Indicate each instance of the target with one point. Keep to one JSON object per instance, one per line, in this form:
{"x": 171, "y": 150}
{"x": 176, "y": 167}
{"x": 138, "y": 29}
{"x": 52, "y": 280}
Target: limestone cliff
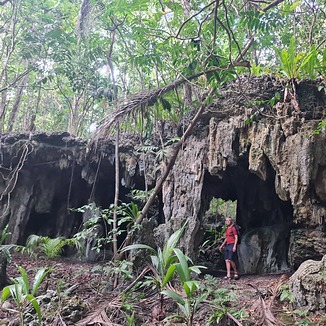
{"x": 249, "y": 146}
{"x": 269, "y": 159}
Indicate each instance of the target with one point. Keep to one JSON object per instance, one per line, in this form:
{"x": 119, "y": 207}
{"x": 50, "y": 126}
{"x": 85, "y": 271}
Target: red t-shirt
{"x": 230, "y": 234}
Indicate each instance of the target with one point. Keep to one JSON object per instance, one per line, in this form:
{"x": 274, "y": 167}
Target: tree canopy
{"x": 68, "y": 64}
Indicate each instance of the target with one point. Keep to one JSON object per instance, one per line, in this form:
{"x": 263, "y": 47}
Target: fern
{"x": 53, "y": 248}
{"x": 50, "y": 247}
{"x": 300, "y": 65}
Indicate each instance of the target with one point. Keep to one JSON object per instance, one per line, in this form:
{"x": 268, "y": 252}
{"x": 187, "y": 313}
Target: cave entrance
{"x": 253, "y": 203}
{"x": 213, "y": 222}
{"x": 222, "y": 207}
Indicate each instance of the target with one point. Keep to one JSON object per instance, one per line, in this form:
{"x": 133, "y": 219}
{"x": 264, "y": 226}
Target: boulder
{"x": 308, "y": 285}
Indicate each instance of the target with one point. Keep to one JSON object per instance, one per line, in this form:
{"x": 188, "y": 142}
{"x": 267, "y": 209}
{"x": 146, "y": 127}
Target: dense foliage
{"x": 66, "y": 63}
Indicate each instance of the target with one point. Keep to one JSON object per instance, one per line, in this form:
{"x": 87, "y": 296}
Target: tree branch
{"x": 137, "y": 100}
{"x": 191, "y": 17}
{"x": 271, "y": 5}
{"x": 26, "y": 72}
{"x": 2, "y": 3}
{"x": 168, "y": 168}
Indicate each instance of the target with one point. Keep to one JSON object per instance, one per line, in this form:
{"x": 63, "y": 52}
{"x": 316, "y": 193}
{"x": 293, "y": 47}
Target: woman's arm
{"x": 222, "y": 245}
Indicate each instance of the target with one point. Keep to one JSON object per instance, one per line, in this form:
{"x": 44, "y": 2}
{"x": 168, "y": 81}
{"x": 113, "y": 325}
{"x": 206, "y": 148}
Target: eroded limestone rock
{"x": 285, "y": 151}
{"x": 263, "y": 250}
{"x": 308, "y": 285}
{"x": 181, "y": 195}
{"x": 269, "y": 160}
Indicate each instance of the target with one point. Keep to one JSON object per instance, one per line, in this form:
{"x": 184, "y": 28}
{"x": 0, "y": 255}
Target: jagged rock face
{"x": 288, "y": 169}
{"x": 42, "y": 179}
{"x": 181, "y": 195}
{"x": 264, "y": 250}
{"x": 308, "y": 285}
{"x": 244, "y": 148}
{"x": 273, "y": 167}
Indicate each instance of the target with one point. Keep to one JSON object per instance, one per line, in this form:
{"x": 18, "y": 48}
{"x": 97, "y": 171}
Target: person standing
{"x": 230, "y": 243}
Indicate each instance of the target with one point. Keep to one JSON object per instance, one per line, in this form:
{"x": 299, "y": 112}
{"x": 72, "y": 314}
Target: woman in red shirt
{"x": 230, "y": 243}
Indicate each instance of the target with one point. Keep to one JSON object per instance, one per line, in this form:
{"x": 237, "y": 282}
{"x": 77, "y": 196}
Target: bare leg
{"x": 234, "y": 266}
{"x": 228, "y": 267}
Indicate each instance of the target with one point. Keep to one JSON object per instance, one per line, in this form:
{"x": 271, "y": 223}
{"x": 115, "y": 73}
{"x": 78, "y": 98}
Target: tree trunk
{"x": 3, "y": 108}
{"x": 83, "y": 19}
{"x": 3, "y": 270}
{"x": 117, "y": 174}
{"x": 168, "y": 168}
{"x": 15, "y": 108}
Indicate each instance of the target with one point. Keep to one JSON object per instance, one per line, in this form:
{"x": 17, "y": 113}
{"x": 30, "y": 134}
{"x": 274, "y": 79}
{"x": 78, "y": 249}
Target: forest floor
{"x": 80, "y": 294}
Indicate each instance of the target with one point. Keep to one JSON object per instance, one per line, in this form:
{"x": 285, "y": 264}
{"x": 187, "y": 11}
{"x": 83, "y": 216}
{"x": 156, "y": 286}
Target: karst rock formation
{"x": 249, "y": 146}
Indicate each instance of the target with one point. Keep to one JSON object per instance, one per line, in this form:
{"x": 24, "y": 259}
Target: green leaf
{"x": 169, "y": 275}
{"x": 155, "y": 261}
{"x": 53, "y": 247}
{"x": 292, "y": 53}
{"x": 308, "y": 62}
{"x": 6, "y": 293}
{"x": 24, "y": 277}
{"x": 4, "y": 234}
{"x": 182, "y": 267}
{"x": 185, "y": 308}
{"x": 285, "y": 63}
{"x": 39, "y": 277}
{"x": 172, "y": 242}
{"x": 174, "y": 296}
{"x": 192, "y": 286}
{"x": 187, "y": 290}
{"x": 283, "y": 296}
{"x": 16, "y": 292}
{"x": 197, "y": 269}
{"x": 171, "y": 260}
{"x": 34, "y": 241}
{"x": 161, "y": 263}
{"x": 137, "y": 246}
{"x": 199, "y": 300}
{"x": 35, "y": 304}
{"x": 294, "y": 5}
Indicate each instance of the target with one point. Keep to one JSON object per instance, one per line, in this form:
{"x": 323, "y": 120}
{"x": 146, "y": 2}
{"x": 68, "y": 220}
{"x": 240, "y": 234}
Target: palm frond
{"x": 267, "y": 318}
{"x": 33, "y": 241}
{"x": 128, "y": 105}
{"x": 100, "y": 317}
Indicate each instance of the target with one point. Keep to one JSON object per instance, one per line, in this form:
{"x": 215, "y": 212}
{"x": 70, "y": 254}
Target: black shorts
{"x": 228, "y": 253}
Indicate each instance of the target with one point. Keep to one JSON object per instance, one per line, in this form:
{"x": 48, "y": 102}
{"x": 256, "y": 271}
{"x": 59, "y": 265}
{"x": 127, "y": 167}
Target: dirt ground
{"x": 246, "y": 301}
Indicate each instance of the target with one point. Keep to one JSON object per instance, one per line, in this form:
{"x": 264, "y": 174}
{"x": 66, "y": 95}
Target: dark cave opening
{"x": 257, "y": 202}
{"x": 56, "y": 194}
{"x": 265, "y": 219}
{"x": 59, "y": 192}
{"x": 42, "y": 224}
